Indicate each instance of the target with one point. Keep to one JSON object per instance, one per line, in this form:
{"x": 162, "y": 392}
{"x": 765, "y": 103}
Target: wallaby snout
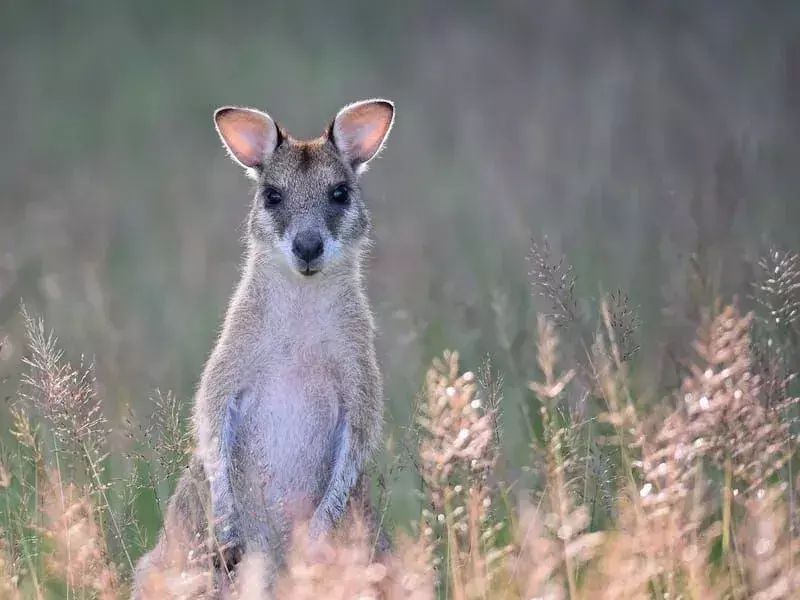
{"x": 308, "y": 248}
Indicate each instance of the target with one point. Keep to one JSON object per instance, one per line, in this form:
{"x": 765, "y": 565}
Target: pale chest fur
{"x": 304, "y": 366}
{"x": 306, "y": 334}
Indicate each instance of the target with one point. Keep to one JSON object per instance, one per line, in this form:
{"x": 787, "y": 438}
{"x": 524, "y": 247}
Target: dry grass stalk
{"x": 65, "y": 397}
{"x": 184, "y": 573}
{"x": 778, "y": 291}
{"x": 337, "y": 568}
{"x": 26, "y": 435}
{"x": 726, "y": 418}
{"x": 554, "y": 280}
{"x": 536, "y": 570}
{"x": 341, "y": 568}
{"x": 458, "y": 452}
{"x": 770, "y": 553}
{"x": 9, "y": 576}
{"x": 561, "y": 533}
{"x": 79, "y": 555}
{"x": 167, "y": 434}
{"x": 663, "y": 542}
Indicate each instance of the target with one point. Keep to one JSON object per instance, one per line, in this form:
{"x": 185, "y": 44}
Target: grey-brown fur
{"x": 289, "y": 406}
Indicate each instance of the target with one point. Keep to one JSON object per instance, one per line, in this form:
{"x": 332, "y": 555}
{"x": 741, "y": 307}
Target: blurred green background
{"x": 632, "y": 133}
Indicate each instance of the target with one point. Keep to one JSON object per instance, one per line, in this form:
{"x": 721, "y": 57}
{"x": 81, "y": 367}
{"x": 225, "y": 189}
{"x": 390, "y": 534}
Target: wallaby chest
{"x": 303, "y": 365}
{"x": 305, "y": 339}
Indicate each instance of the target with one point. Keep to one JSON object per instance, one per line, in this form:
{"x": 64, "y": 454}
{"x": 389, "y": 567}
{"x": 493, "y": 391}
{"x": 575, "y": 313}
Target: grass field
{"x": 690, "y": 495}
{"x": 655, "y": 144}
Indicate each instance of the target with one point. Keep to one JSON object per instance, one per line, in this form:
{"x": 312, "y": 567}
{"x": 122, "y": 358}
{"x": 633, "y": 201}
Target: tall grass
{"x": 693, "y": 496}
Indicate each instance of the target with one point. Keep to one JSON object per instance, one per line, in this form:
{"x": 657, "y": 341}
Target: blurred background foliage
{"x": 645, "y": 139}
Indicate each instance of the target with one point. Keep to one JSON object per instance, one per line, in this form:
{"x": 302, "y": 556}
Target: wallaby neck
{"x": 282, "y": 293}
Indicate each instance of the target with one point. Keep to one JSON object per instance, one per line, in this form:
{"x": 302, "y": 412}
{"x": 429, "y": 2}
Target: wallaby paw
{"x": 226, "y": 556}
{"x": 228, "y": 548}
{"x": 319, "y": 550}
{"x": 318, "y": 544}
{"x": 321, "y": 525}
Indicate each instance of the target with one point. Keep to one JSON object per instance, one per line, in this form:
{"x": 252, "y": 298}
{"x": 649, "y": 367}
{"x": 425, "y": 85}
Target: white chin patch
{"x": 333, "y": 251}
{"x": 285, "y": 248}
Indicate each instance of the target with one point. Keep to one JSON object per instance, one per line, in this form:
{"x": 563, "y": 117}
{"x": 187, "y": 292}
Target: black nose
{"x": 307, "y": 245}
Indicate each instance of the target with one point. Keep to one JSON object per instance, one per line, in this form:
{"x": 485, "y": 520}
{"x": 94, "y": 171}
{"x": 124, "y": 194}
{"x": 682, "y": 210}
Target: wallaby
{"x": 289, "y": 406}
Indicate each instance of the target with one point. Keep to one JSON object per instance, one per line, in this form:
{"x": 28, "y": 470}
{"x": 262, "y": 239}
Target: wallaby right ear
{"x": 249, "y": 135}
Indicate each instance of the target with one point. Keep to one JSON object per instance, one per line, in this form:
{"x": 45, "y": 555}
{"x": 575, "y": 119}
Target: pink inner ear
{"x": 371, "y": 137}
{"x": 249, "y": 135}
{"x": 361, "y": 130}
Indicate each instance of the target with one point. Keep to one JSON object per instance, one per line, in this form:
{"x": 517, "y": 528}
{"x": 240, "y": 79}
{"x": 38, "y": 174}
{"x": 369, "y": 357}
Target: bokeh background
{"x": 633, "y": 134}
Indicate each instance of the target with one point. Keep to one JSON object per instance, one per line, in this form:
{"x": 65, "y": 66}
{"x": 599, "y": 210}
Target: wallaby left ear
{"x": 360, "y": 130}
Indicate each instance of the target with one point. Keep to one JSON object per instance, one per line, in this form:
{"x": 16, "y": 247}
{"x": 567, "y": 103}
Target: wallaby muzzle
{"x": 307, "y": 248}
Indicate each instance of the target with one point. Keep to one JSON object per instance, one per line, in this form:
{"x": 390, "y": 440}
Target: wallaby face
{"x": 308, "y": 212}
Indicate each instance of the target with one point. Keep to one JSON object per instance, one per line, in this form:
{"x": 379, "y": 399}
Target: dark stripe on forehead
{"x": 305, "y": 159}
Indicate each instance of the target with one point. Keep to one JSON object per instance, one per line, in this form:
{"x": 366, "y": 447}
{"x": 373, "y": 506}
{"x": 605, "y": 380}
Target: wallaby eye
{"x": 340, "y": 194}
{"x": 272, "y": 197}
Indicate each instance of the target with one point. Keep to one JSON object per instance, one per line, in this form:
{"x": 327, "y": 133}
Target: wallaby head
{"x": 308, "y": 212}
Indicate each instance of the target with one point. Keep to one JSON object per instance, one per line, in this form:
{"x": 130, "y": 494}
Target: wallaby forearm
{"x": 356, "y": 438}
{"x": 216, "y": 416}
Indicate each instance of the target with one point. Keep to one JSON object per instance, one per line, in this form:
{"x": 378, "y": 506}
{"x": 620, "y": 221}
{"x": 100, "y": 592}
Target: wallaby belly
{"x": 283, "y": 451}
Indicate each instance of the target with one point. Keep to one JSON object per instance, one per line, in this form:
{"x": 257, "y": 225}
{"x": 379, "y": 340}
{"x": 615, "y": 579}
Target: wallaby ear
{"x": 249, "y": 135}
{"x": 360, "y": 129}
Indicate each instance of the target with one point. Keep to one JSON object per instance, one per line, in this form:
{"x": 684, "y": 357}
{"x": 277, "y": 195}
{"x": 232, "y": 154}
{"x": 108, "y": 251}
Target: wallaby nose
{"x": 307, "y": 245}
